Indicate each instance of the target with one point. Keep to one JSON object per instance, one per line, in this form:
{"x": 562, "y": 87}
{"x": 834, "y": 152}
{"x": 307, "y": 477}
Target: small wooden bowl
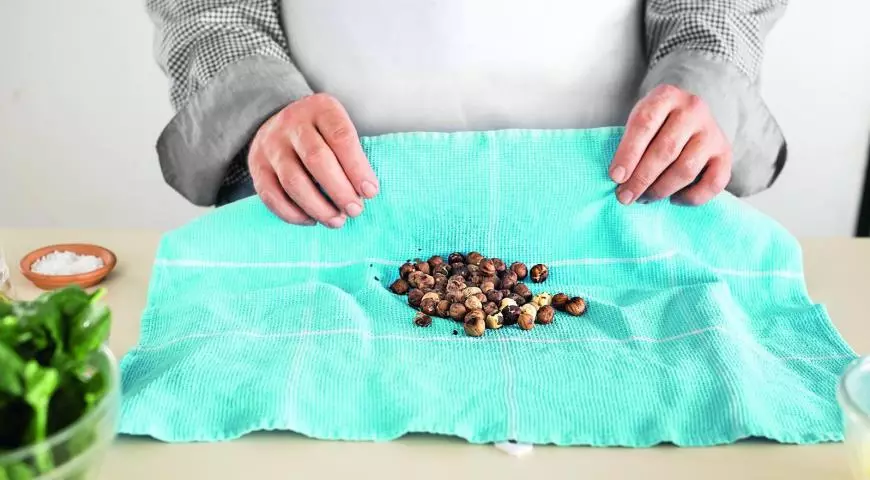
{"x": 84, "y": 280}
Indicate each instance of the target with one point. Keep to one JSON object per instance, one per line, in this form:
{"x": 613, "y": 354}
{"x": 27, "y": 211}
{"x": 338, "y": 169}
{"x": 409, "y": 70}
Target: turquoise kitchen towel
{"x": 700, "y": 330}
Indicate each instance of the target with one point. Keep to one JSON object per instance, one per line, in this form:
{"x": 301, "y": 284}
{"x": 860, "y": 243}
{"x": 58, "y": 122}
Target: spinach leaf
{"x": 11, "y": 369}
{"x": 89, "y": 329}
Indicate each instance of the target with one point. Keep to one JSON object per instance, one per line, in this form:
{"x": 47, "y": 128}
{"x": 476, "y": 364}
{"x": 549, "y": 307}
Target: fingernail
{"x": 336, "y": 221}
{"x": 309, "y": 222}
{"x": 625, "y": 197}
{"x": 618, "y": 174}
{"x": 369, "y": 189}
{"x": 353, "y": 209}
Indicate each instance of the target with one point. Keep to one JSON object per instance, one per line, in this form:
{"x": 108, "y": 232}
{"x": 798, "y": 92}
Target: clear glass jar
{"x": 76, "y": 452}
{"x": 5, "y": 279}
{"x": 853, "y": 395}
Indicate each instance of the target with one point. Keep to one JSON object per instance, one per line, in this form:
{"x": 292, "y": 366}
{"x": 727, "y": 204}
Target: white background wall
{"x": 82, "y": 103}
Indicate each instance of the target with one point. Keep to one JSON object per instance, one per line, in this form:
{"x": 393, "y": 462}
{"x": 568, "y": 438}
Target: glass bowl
{"x": 76, "y": 452}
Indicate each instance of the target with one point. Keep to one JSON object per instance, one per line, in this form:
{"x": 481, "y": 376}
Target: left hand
{"x": 671, "y": 139}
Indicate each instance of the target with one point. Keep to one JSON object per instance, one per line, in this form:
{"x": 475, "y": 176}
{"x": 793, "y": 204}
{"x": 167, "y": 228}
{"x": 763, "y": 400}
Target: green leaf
{"x": 89, "y": 330}
{"x": 17, "y": 471}
{"x": 11, "y": 370}
{"x": 40, "y": 384}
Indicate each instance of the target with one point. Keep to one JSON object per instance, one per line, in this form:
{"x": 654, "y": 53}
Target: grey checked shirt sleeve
{"x": 229, "y": 71}
{"x": 714, "y": 49}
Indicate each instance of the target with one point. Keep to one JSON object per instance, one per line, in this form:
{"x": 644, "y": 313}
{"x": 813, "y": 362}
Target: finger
{"x": 339, "y": 133}
{"x": 269, "y": 189}
{"x": 713, "y": 181}
{"x": 301, "y": 189}
{"x": 321, "y": 163}
{"x": 661, "y": 153}
{"x": 683, "y": 172}
{"x": 645, "y": 120}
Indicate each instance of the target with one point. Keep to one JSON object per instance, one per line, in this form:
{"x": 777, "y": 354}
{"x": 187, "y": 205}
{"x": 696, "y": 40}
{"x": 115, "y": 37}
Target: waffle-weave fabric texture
{"x": 699, "y": 331}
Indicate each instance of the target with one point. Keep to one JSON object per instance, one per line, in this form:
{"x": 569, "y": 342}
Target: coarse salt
{"x": 66, "y": 263}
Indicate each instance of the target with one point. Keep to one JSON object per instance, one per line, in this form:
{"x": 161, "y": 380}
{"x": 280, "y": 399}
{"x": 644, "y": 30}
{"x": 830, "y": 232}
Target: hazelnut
{"x": 406, "y": 270}
{"x": 455, "y": 296}
{"x": 480, "y": 297}
{"x": 506, "y": 303}
{"x": 460, "y": 269}
{"x": 443, "y": 309}
{"x": 542, "y": 299}
{"x": 456, "y": 278}
{"x": 496, "y": 282}
{"x": 526, "y": 321}
{"x": 429, "y": 306}
{"x": 523, "y": 290}
{"x": 509, "y": 280}
{"x": 559, "y": 301}
{"x": 494, "y": 320}
{"x": 414, "y": 278}
{"x": 487, "y": 267}
{"x": 470, "y": 291}
{"x": 472, "y": 303}
{"x": 499, "y": 264}
{"x": 517, "y": 298}
{"x": 422, "y": 320}
{"x": 489, "y": 308}
{"x": 494, "y": 296}
{"x": 475, "y": 279}
{"x": 576, "y": 306}
{"x": 474, "y": 258}
{"x": 487, "y": 286}
{"x": 539, "y": 273}
{"x": 422, "y": 266}
{"x": 457, "y": 311}
{"x": 400, "y": 287}
{"x": 455, "y": 257}
{"x": 529, "y": 308}
{"x": 545, "y": 315}
{"x": 433, "y": 295}
{"x": 504, "y": 293}
{"x": 475, "y": 323}
{"x": 426, "y": 282}
{"x": 519, "y": 269}
{"x": 435, "y": 261}
{"x": 415, "y": 296}
{"x": 443, "y": 269}
{"x": 441, "y": 284}
{"x": 472, "y": 269}
{"x": 510, "y": 314}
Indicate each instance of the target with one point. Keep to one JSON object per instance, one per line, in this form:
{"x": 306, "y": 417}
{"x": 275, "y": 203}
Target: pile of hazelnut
{"x": 483, "y": 293}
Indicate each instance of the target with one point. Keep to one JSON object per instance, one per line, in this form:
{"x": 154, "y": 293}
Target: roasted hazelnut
{"x": 542, "y": 299}
{"x": 400, "y": 287}
{"x": 426, "y": 282}
{"x": 494, "y": 320}
{"x": 415, "y": 296}
{"x": 457, "y": 311}
{"x": 441, "y": 284}
{"x": 489, "y": 308}
{"x": 526, "y": 321}
{"x": 523, "y": 290}
{"x": 406, "y": 270}
{"x": 475, "y": 279}
{"x": 559, "y": 301}
{"x": 545, "y": 315}
{"x": 434, "y": 261}
{"x": 510, "y": 314}
{"x": 429, "y": 306}
{"x": 455, "y": 257}
{"x": 519, "y": 269}
{"x": 505, "y": 293}
{"x": 539, "y": 273}
{"x": 530, "y": 308}
{"x": 576, "y": 306}
{"x": 481, "y": 297}
{"x": 443, "y": 309}
{"x": 517, "y": 298}
{"x": 487, "y": 286}
{"x": 414, "y": 278}
{"x": 460, "y": 269}
{"x": 499, "y": 265}
{"x": 509, "y": 280}
{"x": 422, "y": 266}
{"x": 472, "y": 269}
{"x": 455, "y": 278}
{"x": 494, "y": 296}
{"x": 443, "y": 269}
{"x": 472, "y": 303}
{"x": 506, "y": 302}
{"x": 487, "y": 267}
{"x": 474, "y": 258}
{"x": 422, "y": 320}
{"x": 470, "y": 291}
{"x": 475, "y": 323}
{"x": 433, "y": 295}
{"x": 455, "y": 296}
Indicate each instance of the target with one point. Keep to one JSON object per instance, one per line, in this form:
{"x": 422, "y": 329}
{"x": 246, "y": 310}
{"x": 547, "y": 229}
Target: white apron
{"x": 449, "y": 65}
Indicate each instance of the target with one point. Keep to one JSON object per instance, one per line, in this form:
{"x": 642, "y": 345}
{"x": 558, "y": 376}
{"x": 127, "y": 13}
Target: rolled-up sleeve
{"x": 229, "y": 71}
{"x": 715, "y": 49}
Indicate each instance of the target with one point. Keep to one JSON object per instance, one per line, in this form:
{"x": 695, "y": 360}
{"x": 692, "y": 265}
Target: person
{"x": 272, "y": 97}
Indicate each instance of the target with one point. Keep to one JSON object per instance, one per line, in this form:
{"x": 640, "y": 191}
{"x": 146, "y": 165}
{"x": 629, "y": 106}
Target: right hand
{"x": 311, "y": 141}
